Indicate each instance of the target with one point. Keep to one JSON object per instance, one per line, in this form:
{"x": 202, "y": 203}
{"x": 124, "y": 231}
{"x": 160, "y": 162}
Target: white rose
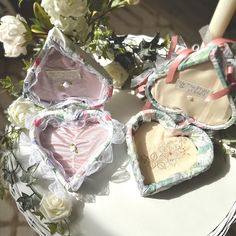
{"x": 118, "y": 73}
{"x": 133, "y": 2}
{"x": 75, "y": 27}
{"x": 66, "y": 8}
{"x": 13, "y": 35}
{"x": 21, "y": 111}
{"x": 54, "y": 208}
{"x": 68, "y": 15}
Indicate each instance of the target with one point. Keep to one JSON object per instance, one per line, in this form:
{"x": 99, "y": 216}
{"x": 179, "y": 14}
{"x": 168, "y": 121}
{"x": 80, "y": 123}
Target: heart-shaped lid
{"x": 197, "y": 85}
{"x": 64, "y": 73}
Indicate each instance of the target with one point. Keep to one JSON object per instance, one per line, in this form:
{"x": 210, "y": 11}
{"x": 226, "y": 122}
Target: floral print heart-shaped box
{"x": 73, "y": 133}
{"x": 164, "y": 154}
{"x": 66, "y": 140}
{"x": 189, "y": 87}
{"x": 199, "y": 85}
{"x": 64, "y": 73}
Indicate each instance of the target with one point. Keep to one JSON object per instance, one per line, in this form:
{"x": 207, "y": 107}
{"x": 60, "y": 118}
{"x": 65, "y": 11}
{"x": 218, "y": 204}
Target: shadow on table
{"x": 122, "y": 106}
{"x": 219, "y": 168}
{"x": 98, "y": 183}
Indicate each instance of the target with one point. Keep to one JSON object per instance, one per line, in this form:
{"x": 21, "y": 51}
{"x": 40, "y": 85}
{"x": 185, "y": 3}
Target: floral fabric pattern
{"x": 198, "y": 137}
{"x": 219, "y": 58}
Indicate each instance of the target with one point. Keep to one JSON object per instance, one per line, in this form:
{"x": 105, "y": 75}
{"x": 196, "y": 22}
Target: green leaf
{"x": 38, "y": 213}
{"x": 52, "y": 227}
{"x": 26, "y": 177}
{"x": 117, "y": 3}
{"x": 26, "y": 202}
{"x": 2, "y": 193}
{"x": 20, "y": 2}
{"x": 27, "y": 63}
{"x": 9, "y": 176}
{"x": 167, "y": 40}
{"x": 61, "y": 228}
{"x": 37, "y": 29}
{"x": 7, "y": 84}
{"x": 33, "y": 168}
{"x": 42, "y": 16}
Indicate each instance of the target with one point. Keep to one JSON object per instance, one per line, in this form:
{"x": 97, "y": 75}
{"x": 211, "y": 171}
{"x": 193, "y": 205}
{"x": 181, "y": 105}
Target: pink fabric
{"x": 227, "y": 90}
{"x": 73, "y": 146}
{"x": 173, "y": 44}
{"x": 174, "y": 65}
{"x": 86, "y": 85}
{"x": 221, "y": 41}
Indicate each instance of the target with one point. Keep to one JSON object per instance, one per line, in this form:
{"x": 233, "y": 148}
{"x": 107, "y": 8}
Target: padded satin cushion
{"x": 73, "y": 145}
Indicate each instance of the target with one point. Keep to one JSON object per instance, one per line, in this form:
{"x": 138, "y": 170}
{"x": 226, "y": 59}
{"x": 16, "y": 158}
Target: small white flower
{"x": 55, "y": 208}
{"x": 118, "y": 73}
{"x": 21, "y": 111}
{"x": 13, "y": 35}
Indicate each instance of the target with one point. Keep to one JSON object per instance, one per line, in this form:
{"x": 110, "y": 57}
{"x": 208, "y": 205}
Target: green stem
{"x": 68, "y": 227}
{"x": 18, "y": 163}
{"x": 37, "y": 194}
{"x": 105, "y": 13}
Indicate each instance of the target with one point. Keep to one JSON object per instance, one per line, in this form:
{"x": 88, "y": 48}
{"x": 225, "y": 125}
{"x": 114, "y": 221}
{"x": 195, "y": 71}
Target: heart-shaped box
{"x": 63, "y": 73}
{"x": 199, "y": 87}
{"x": 73, "y": 133}
{"x": 164, "y": 154}
{"x": 76, "y": 142}
{"x": 193, "y": 87}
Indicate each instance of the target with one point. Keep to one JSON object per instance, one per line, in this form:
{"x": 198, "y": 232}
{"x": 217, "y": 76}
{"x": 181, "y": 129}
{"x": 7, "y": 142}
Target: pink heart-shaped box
{"x": 76, "y": 143}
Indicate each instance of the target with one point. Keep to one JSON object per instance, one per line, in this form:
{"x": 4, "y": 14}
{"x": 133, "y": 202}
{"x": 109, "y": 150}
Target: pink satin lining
{"x": 87, "y": 85}
{"x": 73, "y": 146}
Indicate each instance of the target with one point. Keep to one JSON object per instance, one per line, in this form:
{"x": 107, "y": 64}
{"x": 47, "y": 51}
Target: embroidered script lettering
{"x": 63, "y": 75}
{"x": 192, "y": 88}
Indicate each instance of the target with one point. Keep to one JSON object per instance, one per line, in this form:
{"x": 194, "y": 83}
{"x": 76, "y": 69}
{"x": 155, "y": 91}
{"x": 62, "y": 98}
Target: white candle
{"x": 221, "y": 18}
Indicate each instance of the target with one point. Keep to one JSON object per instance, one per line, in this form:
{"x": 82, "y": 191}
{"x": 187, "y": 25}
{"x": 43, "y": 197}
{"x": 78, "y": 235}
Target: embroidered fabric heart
{"x": 164, "y": 154}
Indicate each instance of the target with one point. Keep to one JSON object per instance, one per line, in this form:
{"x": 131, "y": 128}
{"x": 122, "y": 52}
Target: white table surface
{"x": 194, "y": 207}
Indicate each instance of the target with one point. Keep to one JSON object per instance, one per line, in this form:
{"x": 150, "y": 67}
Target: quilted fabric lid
{"x": 200, "y": 90}
{"x": 63, "y": 73}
